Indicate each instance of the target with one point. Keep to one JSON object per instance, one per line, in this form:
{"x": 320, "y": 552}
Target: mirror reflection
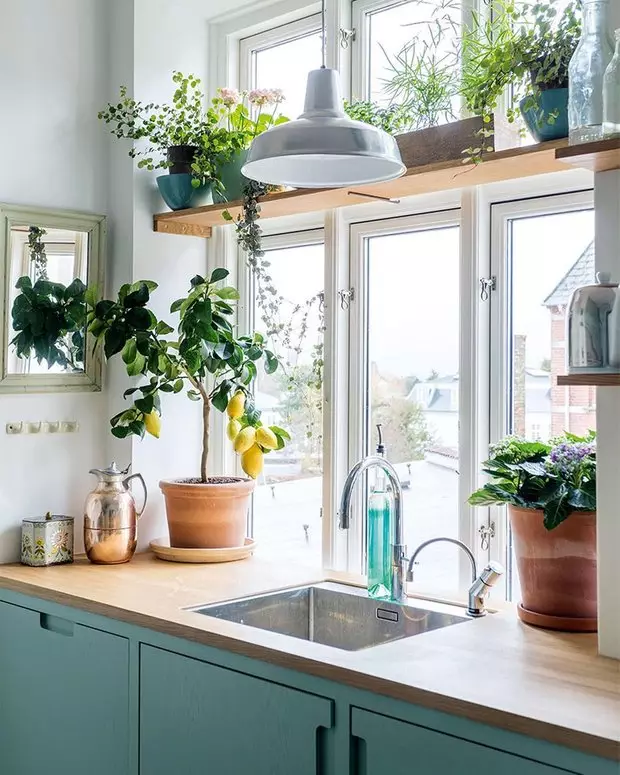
{"x": 48, "y": 273}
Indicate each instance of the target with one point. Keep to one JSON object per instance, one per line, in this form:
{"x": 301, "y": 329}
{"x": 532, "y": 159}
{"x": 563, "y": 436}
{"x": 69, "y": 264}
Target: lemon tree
{"x": 201, "y": 356}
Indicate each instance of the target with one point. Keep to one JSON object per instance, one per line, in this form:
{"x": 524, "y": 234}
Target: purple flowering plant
{"x": 558, "y": 477}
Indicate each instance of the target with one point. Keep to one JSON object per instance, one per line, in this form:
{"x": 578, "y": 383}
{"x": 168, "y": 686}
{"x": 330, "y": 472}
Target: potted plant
{"x": 181, "y": 137}
{"x": 240, "y": 117}
{"x": 205, "y": 359}
{"x": 550, "y": 490}
{"x": 528, "y": 47}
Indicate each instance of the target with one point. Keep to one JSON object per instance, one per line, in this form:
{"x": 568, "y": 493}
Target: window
{"x": 282, "y": 58}
{"x": 287, "y": 505}
{"x": 545, "y": 249}
{"x": 405, "y": 47}
{"x": 408, "y": 364}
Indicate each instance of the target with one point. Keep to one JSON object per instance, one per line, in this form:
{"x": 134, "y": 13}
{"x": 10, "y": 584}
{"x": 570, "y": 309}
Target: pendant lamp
{"x": 323, "y": 148}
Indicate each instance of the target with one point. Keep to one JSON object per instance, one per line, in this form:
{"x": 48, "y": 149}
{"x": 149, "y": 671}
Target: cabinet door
{"x": 64, "y": 696}
{"x": 384, "y": 745}
{"x": 200, "y": 719}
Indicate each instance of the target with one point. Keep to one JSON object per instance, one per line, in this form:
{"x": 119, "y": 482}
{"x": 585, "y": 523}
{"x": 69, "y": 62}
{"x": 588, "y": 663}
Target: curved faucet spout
{"x": 399, "y": 551}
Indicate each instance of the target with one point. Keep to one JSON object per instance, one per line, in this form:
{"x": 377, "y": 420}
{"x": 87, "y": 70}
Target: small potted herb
{"x": 526, "y": 47}
{"x": 550, "y": 490}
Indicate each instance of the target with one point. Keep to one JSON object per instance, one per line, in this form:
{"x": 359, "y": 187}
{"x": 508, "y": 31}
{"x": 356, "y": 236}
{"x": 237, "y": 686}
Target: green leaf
{"x": 139, "y": 318}
{"x": 194, "y": 395}
{"x": 197, "y": 280}
{"x": 227, "y": 216}
{"x": 76, "y": 288}
{"x": 137, "y": 298}
{"x": 121, "y": 431}
{"x": 271, "y": 362}
{"x": 136, "y": 366}
{"x": 176, "y": 305}
{"x": 129, "y": 351}
{"x": 115, "y": 338}
{"x": 23, "y": 283}
{"x": 103, "y": 308}
{"x": 220, "y": 399}
{"x": 163, "y": 328}
{"x": 280, "y": 432}
{"x": 218, "y": 274}
{"x": 146, "y": 404}
{"x": 228, "y": 292}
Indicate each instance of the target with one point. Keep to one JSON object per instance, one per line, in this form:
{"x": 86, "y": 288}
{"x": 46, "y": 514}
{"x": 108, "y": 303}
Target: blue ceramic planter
{"x": 179, "y": 194}
{"x": 537, "y": 117}
{"x": 232, "y": 179}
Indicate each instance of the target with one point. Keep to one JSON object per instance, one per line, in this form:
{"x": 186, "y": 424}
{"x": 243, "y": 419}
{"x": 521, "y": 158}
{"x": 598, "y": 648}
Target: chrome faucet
{"x": 399, "y": 551}
{"x": 481, "y": 584}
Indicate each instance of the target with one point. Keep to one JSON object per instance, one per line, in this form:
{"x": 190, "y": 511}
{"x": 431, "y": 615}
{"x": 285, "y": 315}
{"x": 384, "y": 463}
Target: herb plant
{"x": 393, "y": 119}
{"x": 558, "y": 477}
{"x": 38, "y": 256}
{"x": 203, "y": 357}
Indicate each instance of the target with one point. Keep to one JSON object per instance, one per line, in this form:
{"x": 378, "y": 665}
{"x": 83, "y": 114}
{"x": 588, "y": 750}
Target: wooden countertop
{"x": 495, "y": 670}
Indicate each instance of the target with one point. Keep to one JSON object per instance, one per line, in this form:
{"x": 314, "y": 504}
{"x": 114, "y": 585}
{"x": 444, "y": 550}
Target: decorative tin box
{"x": 47, "y": 540}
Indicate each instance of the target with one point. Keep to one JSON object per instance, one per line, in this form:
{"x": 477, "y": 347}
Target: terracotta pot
{"x": 557, "y": 569}
{"x": 207, "y": 516}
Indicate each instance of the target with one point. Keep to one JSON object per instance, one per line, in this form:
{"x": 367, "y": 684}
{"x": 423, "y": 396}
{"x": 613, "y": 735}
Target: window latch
{"x": 487, "y": 284}
{"x": 486, "y": 533}
{"x": 346, "y": 296}
{"x": 346, "y": 36}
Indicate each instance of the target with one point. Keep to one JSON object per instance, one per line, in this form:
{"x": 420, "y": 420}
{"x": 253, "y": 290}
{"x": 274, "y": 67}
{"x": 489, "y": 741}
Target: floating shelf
{"x": 601, "y": 156}
{"x": 594, "y": 380}
{"x": 424, "y": 179}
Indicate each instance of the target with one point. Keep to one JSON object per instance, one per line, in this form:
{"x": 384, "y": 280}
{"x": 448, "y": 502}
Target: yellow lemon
{"x": 236, "y": 406}
{"x": 266, "y": 438}
{"x": 252, "y": 461}
{"x": 232, "y": 429}
{"x": 152, "y": 423}
{"x": 245, "y": 439}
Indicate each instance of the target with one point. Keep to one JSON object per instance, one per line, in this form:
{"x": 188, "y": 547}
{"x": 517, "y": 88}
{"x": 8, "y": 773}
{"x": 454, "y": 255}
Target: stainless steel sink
{"x": 336, "y": 615}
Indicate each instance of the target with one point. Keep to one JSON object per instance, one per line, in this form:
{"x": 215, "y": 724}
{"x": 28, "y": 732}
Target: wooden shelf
{"x": 594, "y": 380}
{"x": 601, "y": 156}
{"x": 440, "y": 176}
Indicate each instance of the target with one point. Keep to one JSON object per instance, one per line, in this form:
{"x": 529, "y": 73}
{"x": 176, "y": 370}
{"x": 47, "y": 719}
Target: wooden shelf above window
{"x": 593, "y": 380}
{"x": 503, "y": 165}
{"x": 601, "y": 156}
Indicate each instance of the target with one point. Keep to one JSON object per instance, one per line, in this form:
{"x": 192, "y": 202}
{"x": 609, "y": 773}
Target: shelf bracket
{"x": 375, "y": 196}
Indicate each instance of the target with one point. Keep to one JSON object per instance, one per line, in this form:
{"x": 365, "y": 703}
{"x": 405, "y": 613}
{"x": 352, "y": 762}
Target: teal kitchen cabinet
{"x": 64, "y": 696}
{"x": 386, "y": 745}
{"x": 197, "y": 718}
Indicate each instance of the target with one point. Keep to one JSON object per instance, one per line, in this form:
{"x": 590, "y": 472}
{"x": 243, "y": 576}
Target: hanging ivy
{"x": 291, "y": 333}
{"x": 37, "y": 252}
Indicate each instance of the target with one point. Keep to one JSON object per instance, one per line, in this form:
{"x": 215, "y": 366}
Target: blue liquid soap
{"x": 379, "y": 537}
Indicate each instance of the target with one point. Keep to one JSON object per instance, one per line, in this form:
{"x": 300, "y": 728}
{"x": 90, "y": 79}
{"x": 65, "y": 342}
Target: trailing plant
{"x": 50, "y": 320}
{"x": 287, "y": 330}
{"x": 393, "y": 119}
{"x": 527, "y": 46}
{"x": 36, "y": 247}
{"x": 227, "y": 124}
{"x": 558, "y": 477}
{"x": 202, "y": 357}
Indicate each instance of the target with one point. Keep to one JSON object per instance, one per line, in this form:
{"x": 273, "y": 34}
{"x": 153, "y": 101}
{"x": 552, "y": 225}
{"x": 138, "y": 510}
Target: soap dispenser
{"x": 379, "y": 532}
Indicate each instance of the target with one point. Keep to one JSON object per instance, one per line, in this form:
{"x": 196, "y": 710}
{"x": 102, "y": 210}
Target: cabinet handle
{"x": 56, "y": 624}
{"x": 358, "y": 755}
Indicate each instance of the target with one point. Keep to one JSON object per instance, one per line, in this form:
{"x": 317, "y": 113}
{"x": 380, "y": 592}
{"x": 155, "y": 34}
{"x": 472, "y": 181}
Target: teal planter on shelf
{"x": 179, "y": 194}
{"x": 537, "y": 117}
{"x": 232, "y": 179}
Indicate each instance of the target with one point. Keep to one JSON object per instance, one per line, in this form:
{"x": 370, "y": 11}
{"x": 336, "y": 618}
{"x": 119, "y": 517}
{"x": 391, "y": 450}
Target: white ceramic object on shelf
{"x": 593, "y": 328}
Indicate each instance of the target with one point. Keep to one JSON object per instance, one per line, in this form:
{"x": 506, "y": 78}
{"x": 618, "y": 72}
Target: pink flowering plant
{"x": 558, "y": 477}
{"x": 241, "y": 116}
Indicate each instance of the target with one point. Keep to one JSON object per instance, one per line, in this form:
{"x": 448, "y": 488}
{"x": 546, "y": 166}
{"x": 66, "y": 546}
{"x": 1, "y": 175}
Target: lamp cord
{"x": 323, "y": 41}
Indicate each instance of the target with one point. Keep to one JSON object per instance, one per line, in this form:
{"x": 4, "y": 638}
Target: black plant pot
{"x": 181, "y": 158}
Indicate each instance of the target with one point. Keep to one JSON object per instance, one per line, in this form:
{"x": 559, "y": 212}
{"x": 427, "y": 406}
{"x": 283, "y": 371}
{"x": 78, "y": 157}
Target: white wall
{"x": 53, "y": 63}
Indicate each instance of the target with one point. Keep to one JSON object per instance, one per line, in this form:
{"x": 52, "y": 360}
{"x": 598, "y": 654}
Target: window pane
{"x": 551, "y": 255}
{"x": 288, "y": 497}
{"x": 286, "y": 66}
{"x": 417, "y": 41}
{"x": 413, "y": 383}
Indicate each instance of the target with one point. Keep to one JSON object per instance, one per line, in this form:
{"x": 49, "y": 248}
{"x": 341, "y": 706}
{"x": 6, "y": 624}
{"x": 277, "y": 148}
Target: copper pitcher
{"x": 111, "y": 517}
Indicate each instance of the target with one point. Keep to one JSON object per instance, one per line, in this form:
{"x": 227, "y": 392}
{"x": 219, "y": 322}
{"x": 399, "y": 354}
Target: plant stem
{"x": 206, "y": 416}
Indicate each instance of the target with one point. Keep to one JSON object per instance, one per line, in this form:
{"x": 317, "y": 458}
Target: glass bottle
{"x": 611, "y": 94}
{"x": 585, "y": 74}
{"x": 379, "y": 539}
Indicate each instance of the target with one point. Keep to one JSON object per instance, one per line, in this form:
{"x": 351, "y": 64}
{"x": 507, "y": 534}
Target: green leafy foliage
{"x": 392, "y": 118}
{"x": 558, "y": 477}
{"x": 50, "y": 320}
{"x": 227, "y": 125}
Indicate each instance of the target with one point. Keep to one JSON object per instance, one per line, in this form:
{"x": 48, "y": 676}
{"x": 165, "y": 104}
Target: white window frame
{"x": 271, "y": 38}
{"x": 502, "y": 213}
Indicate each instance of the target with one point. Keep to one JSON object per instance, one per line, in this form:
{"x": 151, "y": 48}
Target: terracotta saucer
{"x": 162, "y": 549}
{"x": 565, "y": 623}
